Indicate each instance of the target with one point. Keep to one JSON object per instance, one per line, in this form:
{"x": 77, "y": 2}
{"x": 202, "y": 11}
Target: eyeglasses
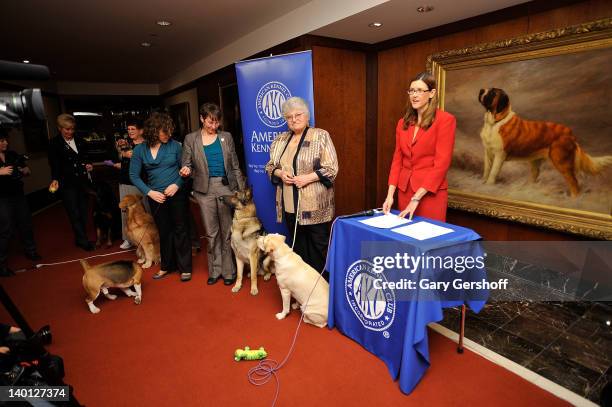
{"x": 418, "y": 92}
{"x": 295, "y": 116}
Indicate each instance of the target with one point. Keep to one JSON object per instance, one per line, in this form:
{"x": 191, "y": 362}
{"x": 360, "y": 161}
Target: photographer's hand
{"x": 25, "y": 170}
{"x": 4, "y": 350}
{"x": 8, "y": 170}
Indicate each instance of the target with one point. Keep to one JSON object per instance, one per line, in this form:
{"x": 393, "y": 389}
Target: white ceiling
{"x": 400, "y": 17}
{"x": 99, "y": 41}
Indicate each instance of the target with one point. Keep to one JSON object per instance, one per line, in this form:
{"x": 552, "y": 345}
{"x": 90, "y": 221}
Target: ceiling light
{"x": 375, "y": 24}
{"x": 164, "y": 23}
{"x": 145, "y": 44}
{"x": 424, "y": 9}
{"x": 26, "y": 61}
{"x": 86, "y": 114}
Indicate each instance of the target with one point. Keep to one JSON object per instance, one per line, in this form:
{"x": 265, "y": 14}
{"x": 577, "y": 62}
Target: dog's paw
{"x": 236, "y": 288}
{"x": 254, "y": 291}
{"x": 281, "y": 315}
{"x": 295, "y": 305}
{"x": 137, "y": 300}
{"x": 130, "y": 293}
{"x": 140, "y": 261}
{"x": 111, "y": 296}
{"x": 147, "y": 265}
{"x": 267, "y": 276}
{"x": 94, "y": 309}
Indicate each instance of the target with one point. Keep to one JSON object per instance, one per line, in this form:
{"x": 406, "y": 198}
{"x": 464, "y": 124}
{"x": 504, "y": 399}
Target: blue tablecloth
{"x": 390, "y": 323}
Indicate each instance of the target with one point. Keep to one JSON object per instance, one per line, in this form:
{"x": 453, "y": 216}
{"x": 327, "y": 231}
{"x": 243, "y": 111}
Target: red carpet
{"x": 176, "y": 348}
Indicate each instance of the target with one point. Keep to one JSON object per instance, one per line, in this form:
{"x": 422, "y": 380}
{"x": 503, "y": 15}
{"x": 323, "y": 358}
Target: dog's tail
{"x": 591, "y": 165}
{"x": 85, "y": 265}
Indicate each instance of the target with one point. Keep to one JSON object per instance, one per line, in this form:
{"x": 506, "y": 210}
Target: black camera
{"x": 14, "y": 106}
{"x": 19, "y": 162}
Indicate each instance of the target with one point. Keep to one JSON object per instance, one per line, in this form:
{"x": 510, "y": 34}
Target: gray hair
{"x": 295, "y": 103}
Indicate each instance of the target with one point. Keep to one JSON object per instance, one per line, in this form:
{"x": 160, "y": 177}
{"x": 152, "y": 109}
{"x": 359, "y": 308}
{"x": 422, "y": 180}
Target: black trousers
{"x": 15, "y": 214}
{"x": 76, "y": 202}
{"x": 310, "y": 241}
{"x": 172, "y": 220}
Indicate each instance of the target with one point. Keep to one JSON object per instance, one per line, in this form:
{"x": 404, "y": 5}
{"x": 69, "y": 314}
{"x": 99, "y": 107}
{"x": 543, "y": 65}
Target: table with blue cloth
{"x": 392, "y": 322}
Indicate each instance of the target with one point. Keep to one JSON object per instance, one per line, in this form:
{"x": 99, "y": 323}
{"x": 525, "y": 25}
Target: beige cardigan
{"x": 315, "y": 153}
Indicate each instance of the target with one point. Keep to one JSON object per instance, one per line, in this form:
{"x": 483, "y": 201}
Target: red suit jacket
{"x": 424, "y": 163}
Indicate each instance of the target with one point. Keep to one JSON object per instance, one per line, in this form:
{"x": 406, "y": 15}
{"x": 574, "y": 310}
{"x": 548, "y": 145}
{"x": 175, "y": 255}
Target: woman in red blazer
{"x": 424, "y": 140}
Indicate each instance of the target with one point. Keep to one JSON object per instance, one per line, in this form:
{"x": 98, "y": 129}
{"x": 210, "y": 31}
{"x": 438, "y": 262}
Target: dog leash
{"x": 268, "y": 368}
{"x": 40, "y": 265}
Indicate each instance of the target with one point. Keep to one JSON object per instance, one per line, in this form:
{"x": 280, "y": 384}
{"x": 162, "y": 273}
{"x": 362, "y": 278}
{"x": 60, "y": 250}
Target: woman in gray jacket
{"x": 210, "y": 158}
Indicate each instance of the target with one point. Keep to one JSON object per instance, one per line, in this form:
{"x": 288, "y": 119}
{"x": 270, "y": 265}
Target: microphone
{"x": 369, "y": 212}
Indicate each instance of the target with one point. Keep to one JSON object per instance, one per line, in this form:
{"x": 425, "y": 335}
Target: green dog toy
{"x": 248, "y": 354}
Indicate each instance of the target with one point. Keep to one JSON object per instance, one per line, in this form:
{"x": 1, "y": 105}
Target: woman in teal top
{"x": 210, "y": 159}
{"x": 161, "y": 159}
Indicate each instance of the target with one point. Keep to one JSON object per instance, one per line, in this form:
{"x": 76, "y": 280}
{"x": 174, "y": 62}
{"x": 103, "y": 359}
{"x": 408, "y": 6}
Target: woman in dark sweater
{"x": 160, "y": 156}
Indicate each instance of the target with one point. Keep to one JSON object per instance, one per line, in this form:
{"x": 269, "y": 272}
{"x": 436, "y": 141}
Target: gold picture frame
{"x": 539, "y": 69}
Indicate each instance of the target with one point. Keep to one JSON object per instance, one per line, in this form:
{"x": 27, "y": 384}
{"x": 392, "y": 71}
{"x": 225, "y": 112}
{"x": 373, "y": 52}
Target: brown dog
{"x": 246, "y": 228}
{"x": 297, "y": 279}
{"x": 121, "y": 274}
{"x": 141, "y": 230}
{"x": 505, "y": 136}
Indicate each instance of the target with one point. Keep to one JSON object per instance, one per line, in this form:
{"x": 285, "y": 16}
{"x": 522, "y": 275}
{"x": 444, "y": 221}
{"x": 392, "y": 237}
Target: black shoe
{"x": 34, "y": 256}
{"x": 6, "y": 272}
{"x": 228, "y": 281}
{"x": 88, "y": 247}
{"x": 212, "y": 280}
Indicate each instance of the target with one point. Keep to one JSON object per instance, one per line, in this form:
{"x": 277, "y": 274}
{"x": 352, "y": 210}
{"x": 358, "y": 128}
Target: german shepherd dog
{"x": 246, "y": 229}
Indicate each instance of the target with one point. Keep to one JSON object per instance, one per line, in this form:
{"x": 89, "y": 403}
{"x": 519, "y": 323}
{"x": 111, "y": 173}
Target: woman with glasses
{"x": 424, "y": 140}
{"x": 160, "y": 156}
{"x": 303, "y": 166}
{"x": 210, "y": 158}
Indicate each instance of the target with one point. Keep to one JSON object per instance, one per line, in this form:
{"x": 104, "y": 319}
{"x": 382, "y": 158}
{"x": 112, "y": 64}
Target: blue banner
{"x": 263, "y": 86}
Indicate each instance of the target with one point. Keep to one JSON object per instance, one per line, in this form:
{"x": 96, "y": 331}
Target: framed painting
{"x": 534, "y": 128}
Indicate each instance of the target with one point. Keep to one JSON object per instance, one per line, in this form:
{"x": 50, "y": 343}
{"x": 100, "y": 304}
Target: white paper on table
{"x": 387, "y": 221}
{"x": 422, "y": 230}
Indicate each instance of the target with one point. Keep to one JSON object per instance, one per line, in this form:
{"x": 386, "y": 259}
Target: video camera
{"x": 28, "y": 103}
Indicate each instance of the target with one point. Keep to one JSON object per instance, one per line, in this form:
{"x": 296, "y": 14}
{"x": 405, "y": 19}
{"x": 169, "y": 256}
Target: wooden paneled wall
{"x": 396, "y": 66}
{"x": 339, "y": 90}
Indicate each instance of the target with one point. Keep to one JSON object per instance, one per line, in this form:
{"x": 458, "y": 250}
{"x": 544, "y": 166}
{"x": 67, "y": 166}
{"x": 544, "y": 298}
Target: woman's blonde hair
{"x": 411, "y": 117}
{"x": 65, "y": 120}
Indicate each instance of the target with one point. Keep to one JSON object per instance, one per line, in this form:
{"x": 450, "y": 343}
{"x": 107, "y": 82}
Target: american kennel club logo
{"x": 270, "y": 99}
{"x": 374, "y": 307}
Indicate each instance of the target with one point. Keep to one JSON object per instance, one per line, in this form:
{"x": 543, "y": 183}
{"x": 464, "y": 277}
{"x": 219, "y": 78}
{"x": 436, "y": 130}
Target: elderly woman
{"x": 161, "y": 159}
{"x": 303, "y": 166}
{"x": 210, "y": 158}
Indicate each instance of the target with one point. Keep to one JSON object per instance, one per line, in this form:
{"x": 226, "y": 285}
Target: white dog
{"x": 298, "y": 280}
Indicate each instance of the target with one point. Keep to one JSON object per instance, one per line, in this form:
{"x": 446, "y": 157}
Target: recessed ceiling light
{"x": 26, "y": 61}
{"x": 145, "y": 44}
{"x": 164, "y": 23}
{"x": 375, "y": 24}
{"x": 424, "y": 9}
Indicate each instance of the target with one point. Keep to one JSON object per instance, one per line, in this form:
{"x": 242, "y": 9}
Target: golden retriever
{"x": 141, "y": 230}
{"x": 298, "y": 280}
